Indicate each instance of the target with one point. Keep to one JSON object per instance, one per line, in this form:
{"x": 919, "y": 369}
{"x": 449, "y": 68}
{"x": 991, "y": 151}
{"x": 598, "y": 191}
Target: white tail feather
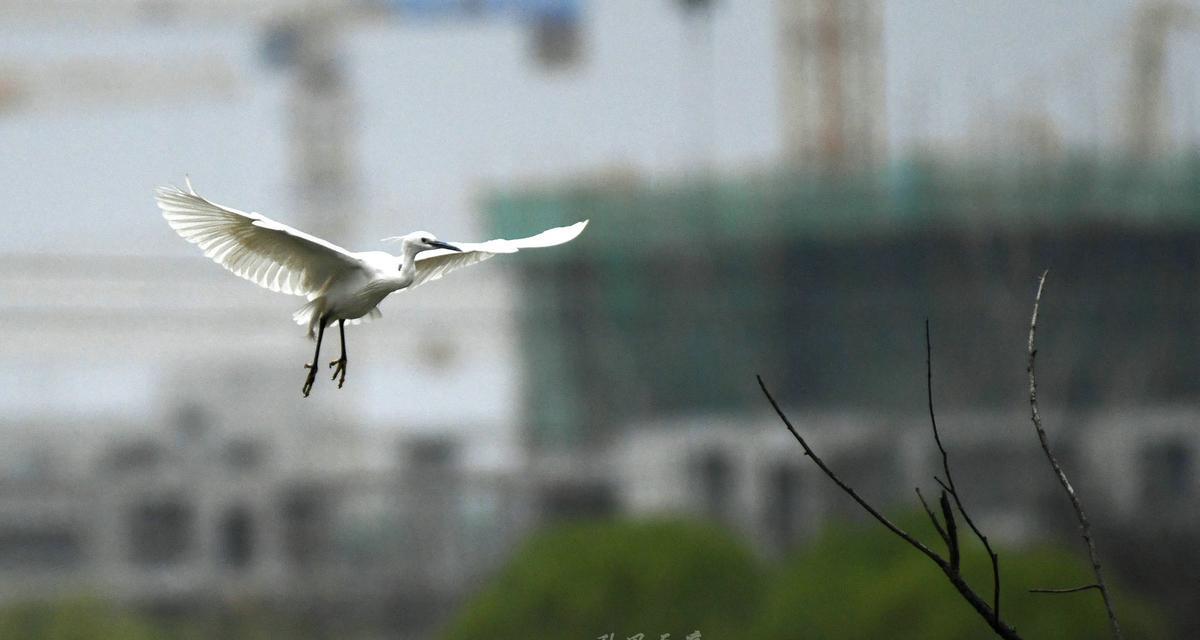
{"x": 310, "y": 315}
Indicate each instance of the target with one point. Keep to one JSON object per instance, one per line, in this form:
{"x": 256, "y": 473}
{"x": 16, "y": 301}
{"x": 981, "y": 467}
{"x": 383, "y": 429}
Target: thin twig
{"x": 951, "y": 530}
{"x": 932, "y": 518}
{"x": 917, "y": 544}
{"x": 949, "y": 486}
{"x": 945, "y": 487}
{"x": 1085, "y": 528}
{"x": 1001, "y": 628}
{"x": 1067, "y": 590}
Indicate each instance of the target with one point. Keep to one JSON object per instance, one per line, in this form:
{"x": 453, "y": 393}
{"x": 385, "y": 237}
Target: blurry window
{"x": 305, "y": 516}
{"x": 41, "y": 547}
{"x": 573, "y": 500}
{"x": 430, "y": 453}
{"x": 160, "y": 532}
{"x": 191, "y": 423}
{"x": 1169, "y": 471}
{"x": 712, "y": 473}
{"x": 237, "y": 538}
{"x": 244, "y": 455}
{"x": 781, "y": 514}
{"x": 141, "y": 455}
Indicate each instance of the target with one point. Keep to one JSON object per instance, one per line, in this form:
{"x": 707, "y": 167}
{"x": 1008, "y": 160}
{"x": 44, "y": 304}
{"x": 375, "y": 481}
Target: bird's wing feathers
{"x": 252, "y": 246}
{"x": 432, "y": 265}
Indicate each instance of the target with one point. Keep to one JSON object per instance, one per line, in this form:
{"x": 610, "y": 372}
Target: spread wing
{"x": 255, "y": 247}
{"x": 432, "y": 265}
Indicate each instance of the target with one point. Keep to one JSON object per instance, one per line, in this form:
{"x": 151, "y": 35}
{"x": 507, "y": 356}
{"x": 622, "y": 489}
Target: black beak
{"x": 443, "y": 245}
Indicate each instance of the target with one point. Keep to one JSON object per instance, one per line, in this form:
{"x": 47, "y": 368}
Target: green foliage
{"x": 584, "y": 580}
{"x": 75, "y": 619}
{"x": 854, "y": 581}
{"x": 862, "y": 582}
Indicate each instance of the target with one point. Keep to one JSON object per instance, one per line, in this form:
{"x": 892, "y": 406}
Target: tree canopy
{"x": 583, "y": 581}
{"x": 853, "y": 581}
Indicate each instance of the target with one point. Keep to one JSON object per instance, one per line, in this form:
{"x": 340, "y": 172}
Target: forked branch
{"x": 950, "y": 569}
{"x": 949, "y": 487}
{"x": 948, "y": 531}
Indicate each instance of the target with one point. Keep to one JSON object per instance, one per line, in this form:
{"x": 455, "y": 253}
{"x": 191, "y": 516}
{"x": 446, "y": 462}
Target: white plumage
{"x": 339, "y": 284}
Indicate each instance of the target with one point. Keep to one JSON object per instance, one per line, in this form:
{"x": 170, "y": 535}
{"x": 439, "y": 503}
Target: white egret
{"x": 340, "y": 285}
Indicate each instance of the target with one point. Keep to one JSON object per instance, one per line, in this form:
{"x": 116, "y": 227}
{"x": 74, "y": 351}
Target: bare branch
{"x": 941, "y": 483}
{"x": 932, "y": 518}
{"x": 951, "y": 531}
{"x": 904, "y": 535}
{"x": 1001, "y": 628}
{"x": 1085, "y": 527}
{"x": 1067, "y": 590}
{"x": 949, "y": 486}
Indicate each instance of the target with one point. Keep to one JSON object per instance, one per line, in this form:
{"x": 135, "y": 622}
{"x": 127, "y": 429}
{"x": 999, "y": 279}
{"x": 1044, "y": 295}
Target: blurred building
{"x": 1147, "y": 474}
{"x": 752, "y": 476}
{"x": 214, "y": 505}
{"x": 293, "y": 517}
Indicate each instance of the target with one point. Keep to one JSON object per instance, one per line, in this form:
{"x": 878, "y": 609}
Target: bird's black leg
{"x": 312, "y": 368}
{"x": 340, "y": 363}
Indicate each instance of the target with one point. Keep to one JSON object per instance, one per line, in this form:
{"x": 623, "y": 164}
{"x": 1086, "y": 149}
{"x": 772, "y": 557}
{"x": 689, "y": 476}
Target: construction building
{"x": 679, "y": 295}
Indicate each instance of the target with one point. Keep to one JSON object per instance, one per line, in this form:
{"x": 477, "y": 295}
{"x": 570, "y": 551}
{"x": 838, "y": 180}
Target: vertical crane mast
{"x": 832, "y": 125}
{"x": 831, "y": 58}
{"x": 1147, "y": 101}
{"x": 321, "y": 123}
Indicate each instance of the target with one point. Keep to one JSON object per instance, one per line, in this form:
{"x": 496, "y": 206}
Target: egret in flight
{"x": 340, "y": 285}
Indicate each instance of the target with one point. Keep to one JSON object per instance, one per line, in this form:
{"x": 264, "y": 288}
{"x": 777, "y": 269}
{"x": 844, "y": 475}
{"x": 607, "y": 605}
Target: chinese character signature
{"x": 695, "y": 635}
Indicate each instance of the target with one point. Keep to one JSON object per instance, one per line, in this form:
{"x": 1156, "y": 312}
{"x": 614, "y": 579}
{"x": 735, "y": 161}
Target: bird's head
{"x": 419, "y": 241}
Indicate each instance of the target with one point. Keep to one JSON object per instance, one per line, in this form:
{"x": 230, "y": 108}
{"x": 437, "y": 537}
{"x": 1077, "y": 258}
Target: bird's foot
{"x": 308, "y": 382}
{"x": 340, "y": 365}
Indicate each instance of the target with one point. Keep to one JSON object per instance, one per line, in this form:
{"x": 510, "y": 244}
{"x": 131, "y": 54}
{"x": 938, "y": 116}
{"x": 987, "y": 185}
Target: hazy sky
{"x": 450, "y": 110}
{"x": 943, "y": 55}
{"x": 948, "y": 59}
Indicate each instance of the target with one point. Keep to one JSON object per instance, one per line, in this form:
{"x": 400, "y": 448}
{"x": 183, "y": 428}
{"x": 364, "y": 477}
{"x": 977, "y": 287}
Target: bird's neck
{"x": 408, "y": 265}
